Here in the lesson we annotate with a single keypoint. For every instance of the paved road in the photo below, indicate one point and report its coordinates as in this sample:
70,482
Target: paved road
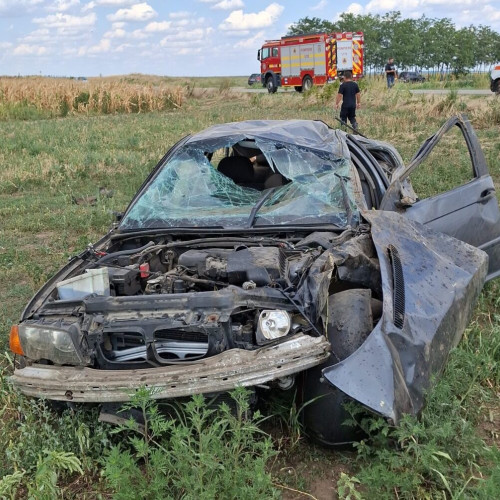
447,91
260,90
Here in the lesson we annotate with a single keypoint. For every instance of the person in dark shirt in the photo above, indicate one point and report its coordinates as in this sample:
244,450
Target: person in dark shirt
350,96
390,72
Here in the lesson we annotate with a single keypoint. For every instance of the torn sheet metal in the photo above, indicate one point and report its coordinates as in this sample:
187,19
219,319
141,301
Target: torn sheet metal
439,285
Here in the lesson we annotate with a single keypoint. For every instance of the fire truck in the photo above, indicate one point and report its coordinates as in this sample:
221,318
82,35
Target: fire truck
301,61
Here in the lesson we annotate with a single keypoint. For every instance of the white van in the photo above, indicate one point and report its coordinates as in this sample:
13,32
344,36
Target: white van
495,79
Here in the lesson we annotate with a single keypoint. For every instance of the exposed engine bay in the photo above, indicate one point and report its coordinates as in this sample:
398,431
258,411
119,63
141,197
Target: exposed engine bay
166,301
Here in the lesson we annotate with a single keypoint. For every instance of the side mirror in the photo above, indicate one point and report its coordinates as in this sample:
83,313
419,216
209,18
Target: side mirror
258,55
117,216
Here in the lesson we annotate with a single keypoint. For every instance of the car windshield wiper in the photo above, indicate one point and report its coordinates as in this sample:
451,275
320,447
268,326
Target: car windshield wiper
258,206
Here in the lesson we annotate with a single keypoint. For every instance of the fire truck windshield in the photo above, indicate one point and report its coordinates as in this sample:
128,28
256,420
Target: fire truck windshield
264,54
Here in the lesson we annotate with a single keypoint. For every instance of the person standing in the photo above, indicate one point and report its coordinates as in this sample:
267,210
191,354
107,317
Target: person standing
390,72
350,96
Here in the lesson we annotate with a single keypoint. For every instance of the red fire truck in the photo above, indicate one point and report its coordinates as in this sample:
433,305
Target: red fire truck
302,61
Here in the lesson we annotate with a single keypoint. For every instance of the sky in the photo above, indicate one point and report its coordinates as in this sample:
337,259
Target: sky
178,38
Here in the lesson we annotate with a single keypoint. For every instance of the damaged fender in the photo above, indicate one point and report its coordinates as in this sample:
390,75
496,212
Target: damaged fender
430,285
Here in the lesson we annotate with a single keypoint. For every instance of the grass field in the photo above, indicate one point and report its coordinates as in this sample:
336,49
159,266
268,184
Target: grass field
451,452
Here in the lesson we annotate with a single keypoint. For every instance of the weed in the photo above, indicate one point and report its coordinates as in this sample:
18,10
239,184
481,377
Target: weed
346,487
194,456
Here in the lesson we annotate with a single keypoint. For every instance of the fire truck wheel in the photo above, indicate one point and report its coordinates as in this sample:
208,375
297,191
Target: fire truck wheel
307,83
298,88
271,88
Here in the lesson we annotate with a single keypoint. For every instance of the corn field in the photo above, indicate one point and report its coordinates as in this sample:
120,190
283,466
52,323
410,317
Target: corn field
61,96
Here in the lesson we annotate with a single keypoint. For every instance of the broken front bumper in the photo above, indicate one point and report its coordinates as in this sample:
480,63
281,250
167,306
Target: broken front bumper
223,372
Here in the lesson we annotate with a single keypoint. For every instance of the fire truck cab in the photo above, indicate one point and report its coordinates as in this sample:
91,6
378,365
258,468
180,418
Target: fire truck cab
302,61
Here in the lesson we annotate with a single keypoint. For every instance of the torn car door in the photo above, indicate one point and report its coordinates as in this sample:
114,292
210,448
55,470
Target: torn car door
468,212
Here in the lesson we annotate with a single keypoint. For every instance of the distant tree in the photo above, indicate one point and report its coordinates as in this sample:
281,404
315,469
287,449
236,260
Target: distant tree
424,43
310,25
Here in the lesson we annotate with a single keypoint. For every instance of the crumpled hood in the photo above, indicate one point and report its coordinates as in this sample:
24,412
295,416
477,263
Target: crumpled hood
430,284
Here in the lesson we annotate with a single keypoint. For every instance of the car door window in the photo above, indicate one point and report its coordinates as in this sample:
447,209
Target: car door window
455,193
447,167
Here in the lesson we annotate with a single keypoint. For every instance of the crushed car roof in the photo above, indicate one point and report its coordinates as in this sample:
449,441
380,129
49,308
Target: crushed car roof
307,133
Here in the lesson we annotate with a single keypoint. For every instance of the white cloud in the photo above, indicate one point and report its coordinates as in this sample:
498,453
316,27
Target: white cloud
122,47
190,36
252,42
405,5
5,45
103,46
40,35
238,21
355,8
14,8
180,14
66,21
137,13
156,27
228,5
115,33
321,5
107,3
62,5
29,50
139,34
487,14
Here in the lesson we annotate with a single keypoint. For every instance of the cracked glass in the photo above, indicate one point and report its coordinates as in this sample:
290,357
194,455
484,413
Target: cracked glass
189,191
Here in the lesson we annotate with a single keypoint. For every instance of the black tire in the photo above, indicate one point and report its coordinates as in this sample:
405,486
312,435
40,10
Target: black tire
298,88
271,87
350,322
307,83
496,87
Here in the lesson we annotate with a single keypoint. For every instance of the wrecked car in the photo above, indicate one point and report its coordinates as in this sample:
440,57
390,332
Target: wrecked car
270,254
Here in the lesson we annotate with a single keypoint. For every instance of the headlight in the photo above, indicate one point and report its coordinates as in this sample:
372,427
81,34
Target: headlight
56,345
273,324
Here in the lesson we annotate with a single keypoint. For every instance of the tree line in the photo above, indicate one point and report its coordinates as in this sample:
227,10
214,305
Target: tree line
434,45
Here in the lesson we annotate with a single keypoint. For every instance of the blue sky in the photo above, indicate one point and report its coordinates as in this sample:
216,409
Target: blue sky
178,38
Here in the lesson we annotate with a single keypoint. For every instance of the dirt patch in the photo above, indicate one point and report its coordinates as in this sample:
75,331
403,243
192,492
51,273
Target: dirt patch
489,426
310,471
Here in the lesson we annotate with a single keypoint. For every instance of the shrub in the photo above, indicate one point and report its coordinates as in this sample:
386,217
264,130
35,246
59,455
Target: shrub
195,455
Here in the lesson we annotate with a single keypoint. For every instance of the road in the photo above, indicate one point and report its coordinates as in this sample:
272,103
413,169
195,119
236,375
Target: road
447,91
260,90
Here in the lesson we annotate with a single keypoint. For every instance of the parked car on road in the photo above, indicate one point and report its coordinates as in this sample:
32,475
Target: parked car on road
315,265
411,77
495,79
254,78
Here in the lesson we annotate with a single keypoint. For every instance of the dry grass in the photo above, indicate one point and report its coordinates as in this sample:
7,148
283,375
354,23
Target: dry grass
63,96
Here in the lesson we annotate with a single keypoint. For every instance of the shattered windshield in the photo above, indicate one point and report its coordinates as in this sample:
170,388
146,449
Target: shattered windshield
298,186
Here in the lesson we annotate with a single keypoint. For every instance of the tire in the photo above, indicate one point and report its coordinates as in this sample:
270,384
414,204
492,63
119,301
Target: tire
496,87
271,87
350,322
307,83
298,88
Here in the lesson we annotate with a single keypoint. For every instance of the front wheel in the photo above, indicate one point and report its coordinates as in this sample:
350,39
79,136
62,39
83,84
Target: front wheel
307,83
271,88
496,87
350,320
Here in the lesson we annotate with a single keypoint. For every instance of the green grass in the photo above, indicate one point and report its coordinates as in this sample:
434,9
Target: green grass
448,453
450,82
